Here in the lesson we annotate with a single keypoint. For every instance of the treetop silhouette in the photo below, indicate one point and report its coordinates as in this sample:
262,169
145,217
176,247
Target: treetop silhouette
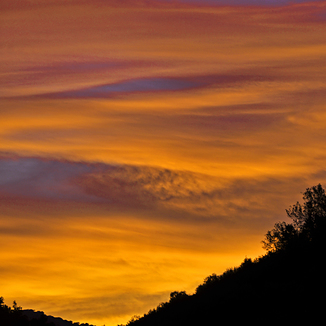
308,226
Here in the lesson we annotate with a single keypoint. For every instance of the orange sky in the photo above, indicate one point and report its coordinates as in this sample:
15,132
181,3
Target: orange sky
149,144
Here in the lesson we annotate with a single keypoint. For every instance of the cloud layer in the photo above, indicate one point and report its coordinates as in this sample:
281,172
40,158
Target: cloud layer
147,144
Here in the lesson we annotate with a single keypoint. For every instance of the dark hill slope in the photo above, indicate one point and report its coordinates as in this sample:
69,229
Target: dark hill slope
279,287
286,286
55,321
15,316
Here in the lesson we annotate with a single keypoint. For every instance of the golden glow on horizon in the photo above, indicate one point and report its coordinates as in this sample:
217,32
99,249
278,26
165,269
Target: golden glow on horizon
113,259
143,148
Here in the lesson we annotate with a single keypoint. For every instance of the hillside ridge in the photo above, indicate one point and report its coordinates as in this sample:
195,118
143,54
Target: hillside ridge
286,285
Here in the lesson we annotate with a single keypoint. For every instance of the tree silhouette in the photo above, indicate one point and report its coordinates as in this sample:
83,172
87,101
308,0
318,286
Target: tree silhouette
308,223
282,236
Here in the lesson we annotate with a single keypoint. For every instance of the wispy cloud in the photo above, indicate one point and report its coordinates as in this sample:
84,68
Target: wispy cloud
130,188
147,144
31,177
140,85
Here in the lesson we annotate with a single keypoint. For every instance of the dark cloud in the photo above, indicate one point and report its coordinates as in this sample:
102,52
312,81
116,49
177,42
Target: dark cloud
116,184
168,194
138,85
153,84
32,177
136,187
68,70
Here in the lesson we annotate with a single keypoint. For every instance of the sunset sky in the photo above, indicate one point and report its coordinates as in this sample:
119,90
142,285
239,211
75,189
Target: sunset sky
145,145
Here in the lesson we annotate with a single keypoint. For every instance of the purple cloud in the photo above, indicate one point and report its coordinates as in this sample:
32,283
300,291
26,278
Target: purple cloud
151,193
32,177
244,2
136,85
126,187
157,85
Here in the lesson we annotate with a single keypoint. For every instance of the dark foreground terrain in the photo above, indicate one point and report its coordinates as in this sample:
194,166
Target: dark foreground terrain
284,287
16,316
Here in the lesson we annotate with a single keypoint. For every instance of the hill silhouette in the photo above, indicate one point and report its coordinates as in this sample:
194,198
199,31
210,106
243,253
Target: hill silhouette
56,321
16,316
285,286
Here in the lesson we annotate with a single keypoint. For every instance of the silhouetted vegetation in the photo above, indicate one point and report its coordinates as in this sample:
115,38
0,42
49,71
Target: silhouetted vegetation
287,285
13,316
56,321
16,316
